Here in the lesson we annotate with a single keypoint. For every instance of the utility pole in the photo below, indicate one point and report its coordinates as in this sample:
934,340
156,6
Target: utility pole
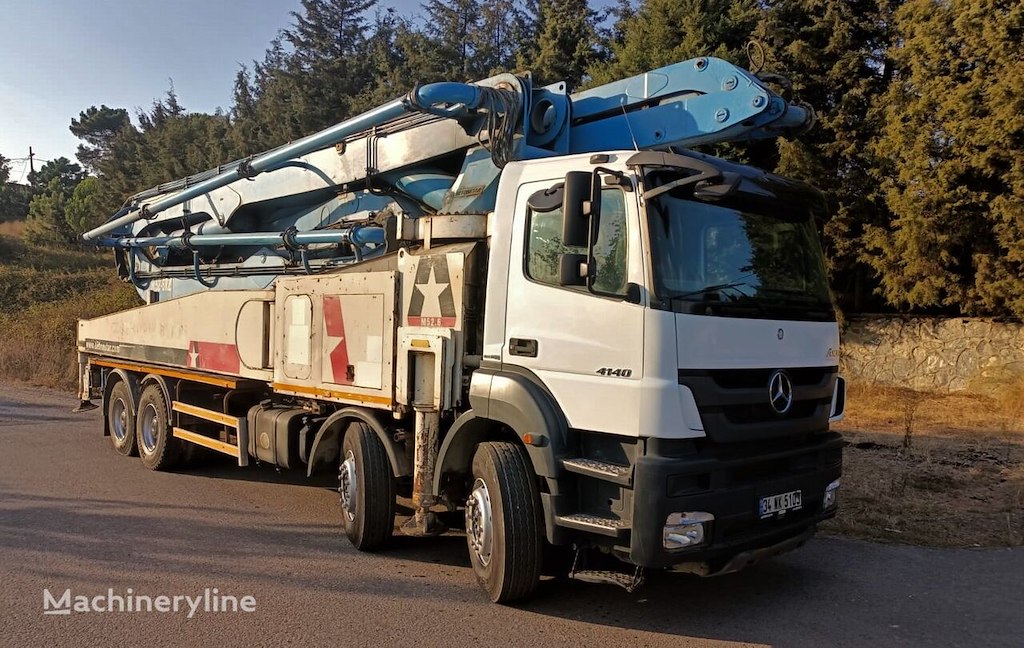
31,166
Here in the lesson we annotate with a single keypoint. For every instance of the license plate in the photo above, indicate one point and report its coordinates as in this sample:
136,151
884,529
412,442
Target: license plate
779,504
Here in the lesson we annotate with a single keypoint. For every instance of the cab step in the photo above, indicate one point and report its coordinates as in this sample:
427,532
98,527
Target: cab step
589,522
612,472
628,582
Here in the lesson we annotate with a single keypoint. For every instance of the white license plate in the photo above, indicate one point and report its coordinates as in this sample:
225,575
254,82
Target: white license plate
780,503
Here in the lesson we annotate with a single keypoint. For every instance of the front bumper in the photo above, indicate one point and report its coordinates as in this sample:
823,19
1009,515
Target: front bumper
728,481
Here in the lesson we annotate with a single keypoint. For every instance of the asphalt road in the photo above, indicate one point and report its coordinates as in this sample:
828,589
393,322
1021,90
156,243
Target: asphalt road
75,515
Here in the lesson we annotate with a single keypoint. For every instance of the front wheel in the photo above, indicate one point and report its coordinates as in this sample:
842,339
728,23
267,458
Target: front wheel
503,522
366,488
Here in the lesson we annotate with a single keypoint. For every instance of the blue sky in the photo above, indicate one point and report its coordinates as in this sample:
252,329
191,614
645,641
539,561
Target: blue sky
58,57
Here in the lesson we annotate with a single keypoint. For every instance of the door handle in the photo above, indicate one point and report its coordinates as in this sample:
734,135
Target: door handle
522,347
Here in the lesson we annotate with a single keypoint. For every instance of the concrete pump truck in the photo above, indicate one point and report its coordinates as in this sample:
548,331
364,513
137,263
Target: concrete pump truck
537,308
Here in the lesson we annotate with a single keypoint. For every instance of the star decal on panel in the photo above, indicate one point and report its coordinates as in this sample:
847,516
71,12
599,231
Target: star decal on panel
215,356
334,329
432,302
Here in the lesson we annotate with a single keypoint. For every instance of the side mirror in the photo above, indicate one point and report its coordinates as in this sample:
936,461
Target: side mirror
581,204
572,269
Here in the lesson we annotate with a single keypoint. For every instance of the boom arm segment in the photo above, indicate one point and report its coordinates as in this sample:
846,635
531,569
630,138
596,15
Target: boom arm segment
701,101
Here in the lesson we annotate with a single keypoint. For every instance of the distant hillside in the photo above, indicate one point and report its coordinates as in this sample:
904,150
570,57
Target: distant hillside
43,293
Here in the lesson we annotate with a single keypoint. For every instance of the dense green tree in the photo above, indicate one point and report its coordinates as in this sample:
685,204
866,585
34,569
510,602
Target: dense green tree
46,223
120,170
313,75
169,143
53,186
832,53
176,143
327,67
97,127
64,171
501,31
245,134
400,56
83,210
661,32
452,27
566,42
952,159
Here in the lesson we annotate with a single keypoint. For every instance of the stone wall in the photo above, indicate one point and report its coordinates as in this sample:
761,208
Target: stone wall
935,354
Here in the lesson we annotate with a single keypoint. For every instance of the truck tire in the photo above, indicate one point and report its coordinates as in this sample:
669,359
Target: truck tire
503,529
121,419
366,489
157,448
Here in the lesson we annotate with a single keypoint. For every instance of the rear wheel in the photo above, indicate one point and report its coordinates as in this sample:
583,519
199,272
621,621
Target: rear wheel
158,449
503,522
121,419
366,489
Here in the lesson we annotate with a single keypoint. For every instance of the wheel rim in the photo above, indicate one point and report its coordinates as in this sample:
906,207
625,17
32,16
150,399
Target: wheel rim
119,420
348,487
149,429
479,523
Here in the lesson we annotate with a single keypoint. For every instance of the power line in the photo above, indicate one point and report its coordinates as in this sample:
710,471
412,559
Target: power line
27,164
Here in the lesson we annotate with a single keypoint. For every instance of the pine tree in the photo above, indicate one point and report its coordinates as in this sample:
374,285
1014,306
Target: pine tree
46,223
97,126
566,42
668,31
953,159
502,27
452,27
312,75
832,52
82,211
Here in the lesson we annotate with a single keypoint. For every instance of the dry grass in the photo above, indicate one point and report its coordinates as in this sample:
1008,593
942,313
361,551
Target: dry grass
934,469
43,294
12,228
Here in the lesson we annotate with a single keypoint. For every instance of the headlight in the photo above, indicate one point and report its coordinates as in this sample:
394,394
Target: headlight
831,495
685,530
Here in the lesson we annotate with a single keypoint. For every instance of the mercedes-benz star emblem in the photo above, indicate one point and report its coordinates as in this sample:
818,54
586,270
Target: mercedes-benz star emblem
780,392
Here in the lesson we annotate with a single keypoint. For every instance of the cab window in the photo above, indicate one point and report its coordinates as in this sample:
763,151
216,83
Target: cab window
544,246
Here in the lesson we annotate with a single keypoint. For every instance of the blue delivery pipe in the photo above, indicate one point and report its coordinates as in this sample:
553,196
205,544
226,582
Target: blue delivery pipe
356,236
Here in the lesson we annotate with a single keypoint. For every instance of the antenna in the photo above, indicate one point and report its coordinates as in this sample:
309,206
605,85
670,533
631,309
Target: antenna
622,105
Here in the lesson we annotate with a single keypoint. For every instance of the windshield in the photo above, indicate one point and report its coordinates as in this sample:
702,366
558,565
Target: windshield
710,259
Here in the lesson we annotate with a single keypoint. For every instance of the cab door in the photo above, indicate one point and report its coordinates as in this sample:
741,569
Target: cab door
586,348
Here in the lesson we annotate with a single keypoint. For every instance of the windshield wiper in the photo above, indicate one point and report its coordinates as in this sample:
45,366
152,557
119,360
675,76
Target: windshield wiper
707,290
738,299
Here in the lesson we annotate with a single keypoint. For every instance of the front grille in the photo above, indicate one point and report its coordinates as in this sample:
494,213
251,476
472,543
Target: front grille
734,403
743,414
742,464
753,378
